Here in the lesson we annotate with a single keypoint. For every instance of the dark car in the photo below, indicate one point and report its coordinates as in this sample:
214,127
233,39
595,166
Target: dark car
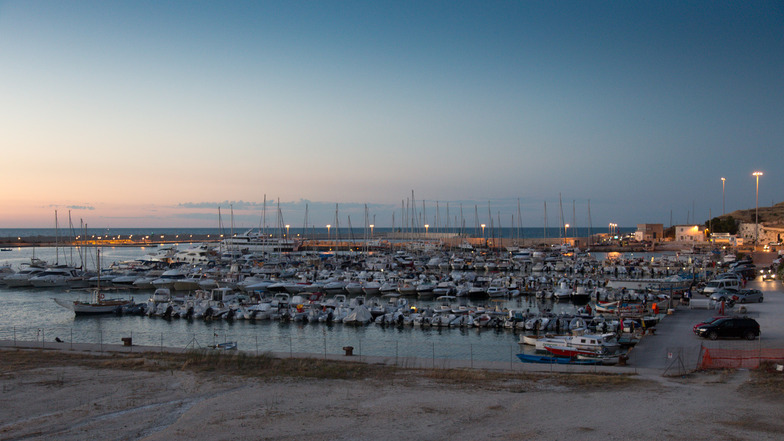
748,296
737,327
708,322
748,272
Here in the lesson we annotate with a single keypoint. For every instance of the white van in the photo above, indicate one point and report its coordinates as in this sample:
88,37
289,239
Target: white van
715,285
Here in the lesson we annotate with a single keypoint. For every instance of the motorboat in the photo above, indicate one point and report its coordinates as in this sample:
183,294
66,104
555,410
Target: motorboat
22,278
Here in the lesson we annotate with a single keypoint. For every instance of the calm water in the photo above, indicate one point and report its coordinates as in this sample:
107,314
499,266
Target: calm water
31,314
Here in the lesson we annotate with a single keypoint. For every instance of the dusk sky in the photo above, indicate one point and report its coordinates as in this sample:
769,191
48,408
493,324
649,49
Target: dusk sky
155,113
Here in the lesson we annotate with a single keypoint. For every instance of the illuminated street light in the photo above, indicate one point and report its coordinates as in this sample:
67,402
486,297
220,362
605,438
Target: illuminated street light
566,230
287,230
723,209
757,174
371,230
483,234
426,227
328,227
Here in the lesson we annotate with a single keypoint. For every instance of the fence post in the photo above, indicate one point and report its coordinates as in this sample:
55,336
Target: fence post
100,339
471,346
43,336
72,339
434,355
14,335
161,341
291,348
396,344
257,345
511,358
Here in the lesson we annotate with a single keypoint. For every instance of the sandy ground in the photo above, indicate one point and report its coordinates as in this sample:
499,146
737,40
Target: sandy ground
73,402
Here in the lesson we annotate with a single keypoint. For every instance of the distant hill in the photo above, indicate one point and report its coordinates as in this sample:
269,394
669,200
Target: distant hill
770,216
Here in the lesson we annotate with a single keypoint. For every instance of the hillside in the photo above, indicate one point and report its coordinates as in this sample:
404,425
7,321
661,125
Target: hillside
770,216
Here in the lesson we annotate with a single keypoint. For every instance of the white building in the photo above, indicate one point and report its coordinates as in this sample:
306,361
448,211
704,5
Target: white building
690,233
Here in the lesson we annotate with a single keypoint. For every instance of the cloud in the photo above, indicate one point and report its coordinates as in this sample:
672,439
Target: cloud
239,205
71,207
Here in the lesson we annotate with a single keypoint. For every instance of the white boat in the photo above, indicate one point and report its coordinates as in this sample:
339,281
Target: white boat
359,316
197,255
604,343
22,278
56,277
255,242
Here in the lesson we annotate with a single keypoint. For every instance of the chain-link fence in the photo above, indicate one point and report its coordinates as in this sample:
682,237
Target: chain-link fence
431,355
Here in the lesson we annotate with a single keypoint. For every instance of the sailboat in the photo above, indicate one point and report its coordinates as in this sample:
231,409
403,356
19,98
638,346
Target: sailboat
99,304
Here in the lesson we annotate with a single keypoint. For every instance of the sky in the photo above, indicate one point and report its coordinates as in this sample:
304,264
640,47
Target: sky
156,113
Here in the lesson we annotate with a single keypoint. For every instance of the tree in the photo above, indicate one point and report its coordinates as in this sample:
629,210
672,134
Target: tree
724,224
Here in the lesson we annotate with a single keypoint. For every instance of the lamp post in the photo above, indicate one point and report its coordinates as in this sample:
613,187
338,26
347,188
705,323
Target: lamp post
371,231
328,227
756,174
287,230
426,227
483,234
723,209
566,231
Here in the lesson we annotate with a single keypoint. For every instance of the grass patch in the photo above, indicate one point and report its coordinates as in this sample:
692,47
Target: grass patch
767,379
266,366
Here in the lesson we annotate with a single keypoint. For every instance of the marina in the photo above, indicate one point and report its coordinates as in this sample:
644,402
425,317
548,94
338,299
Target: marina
435,302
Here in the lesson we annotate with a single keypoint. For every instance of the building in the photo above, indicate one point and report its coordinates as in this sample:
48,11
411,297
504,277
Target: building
726,239
690,233
649,232
767,234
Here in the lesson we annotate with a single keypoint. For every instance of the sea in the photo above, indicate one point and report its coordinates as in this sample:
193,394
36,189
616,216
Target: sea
31,314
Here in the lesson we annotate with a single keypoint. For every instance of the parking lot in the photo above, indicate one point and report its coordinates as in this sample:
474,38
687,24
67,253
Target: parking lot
674,343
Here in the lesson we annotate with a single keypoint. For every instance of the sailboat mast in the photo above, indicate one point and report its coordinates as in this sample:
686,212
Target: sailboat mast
560,217
56,240
590,222
264,217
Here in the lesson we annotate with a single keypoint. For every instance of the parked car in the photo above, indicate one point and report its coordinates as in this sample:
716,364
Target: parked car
767,274
720,284
708,322
748,296
748,273
725,294
729,327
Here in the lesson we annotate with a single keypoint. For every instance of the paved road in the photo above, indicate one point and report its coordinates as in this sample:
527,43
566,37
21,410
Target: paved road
674,347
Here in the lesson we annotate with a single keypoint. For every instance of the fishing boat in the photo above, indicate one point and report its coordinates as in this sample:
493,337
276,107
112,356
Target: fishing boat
570,351
532,358
593,344
99,304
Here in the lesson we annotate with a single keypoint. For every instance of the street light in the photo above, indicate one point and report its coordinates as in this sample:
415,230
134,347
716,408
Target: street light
426,227
371,231
483,234
566,230
328,227
723,210
757,174
287,230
